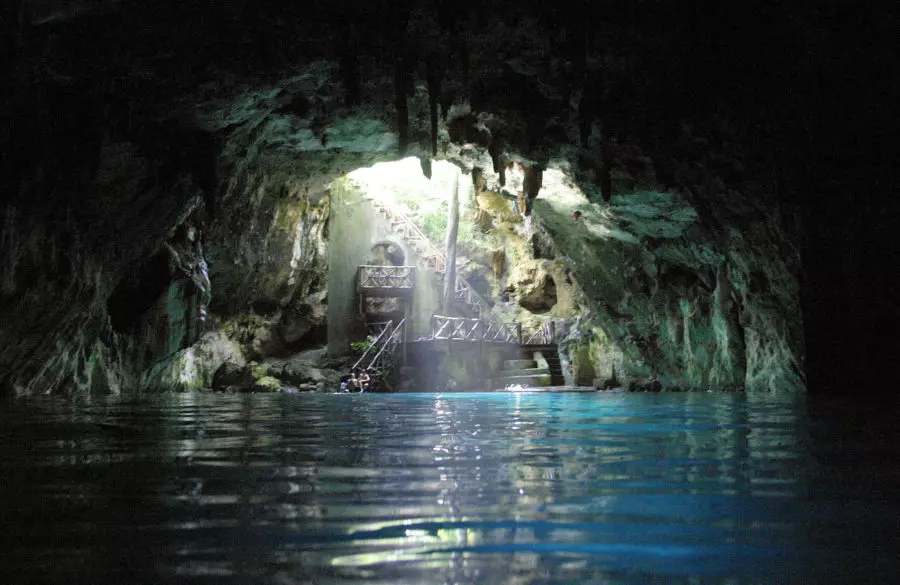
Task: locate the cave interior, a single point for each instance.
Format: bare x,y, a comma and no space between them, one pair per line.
169,171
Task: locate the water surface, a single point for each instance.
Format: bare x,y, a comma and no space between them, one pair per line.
427,489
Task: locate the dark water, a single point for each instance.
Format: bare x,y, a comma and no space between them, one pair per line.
453,489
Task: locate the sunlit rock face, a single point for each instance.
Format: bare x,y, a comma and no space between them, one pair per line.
687,303
642,290
169,188
168,269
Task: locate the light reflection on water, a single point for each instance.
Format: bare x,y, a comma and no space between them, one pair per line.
444,489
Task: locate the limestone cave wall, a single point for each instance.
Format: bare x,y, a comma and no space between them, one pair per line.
166,176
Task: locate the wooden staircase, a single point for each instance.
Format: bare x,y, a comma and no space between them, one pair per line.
523,372
539,366
550,353
384,357
430,256
470,303
536,345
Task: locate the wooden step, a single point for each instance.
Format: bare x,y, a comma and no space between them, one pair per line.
501,382
523,372
517,364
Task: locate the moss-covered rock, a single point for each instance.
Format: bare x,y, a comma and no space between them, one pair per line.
196,367
232,376
266,384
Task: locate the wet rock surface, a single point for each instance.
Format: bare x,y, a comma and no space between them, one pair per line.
538,294
307,371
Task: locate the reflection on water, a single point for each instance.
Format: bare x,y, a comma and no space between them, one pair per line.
452,489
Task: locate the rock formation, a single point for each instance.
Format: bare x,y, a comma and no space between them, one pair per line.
167,191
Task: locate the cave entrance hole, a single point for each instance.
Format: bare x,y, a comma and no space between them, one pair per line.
366,230
401,185
390,214
386,253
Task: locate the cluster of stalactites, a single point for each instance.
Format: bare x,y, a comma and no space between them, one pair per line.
430,34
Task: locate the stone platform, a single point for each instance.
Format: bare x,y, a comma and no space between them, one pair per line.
544,389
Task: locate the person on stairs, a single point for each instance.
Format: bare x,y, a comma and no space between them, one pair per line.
353,382
363,381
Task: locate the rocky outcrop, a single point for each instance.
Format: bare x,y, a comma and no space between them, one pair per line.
687,305
194,367
537,293
112,294
307,371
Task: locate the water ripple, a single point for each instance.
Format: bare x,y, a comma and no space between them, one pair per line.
478,488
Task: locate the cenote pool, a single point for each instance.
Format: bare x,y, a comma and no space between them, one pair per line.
447,489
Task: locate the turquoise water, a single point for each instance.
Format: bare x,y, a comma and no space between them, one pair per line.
447,489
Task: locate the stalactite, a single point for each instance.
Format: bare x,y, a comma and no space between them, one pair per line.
478,180
496,152
18,21
584,123
531,186
534,129
533,181
450,244
498,262
425,165
349,66
466,68
606,168
9,242
400,86
434,75
587,108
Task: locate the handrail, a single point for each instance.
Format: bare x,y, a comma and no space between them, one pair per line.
377,326
370,276
463,329
472,297
387,343
372,345
543,334
410,226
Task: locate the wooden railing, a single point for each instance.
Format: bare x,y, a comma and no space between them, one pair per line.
376,345
387,355
486,330
386,277
464,293
544,334
432,256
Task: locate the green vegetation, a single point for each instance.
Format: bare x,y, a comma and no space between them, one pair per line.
435,227
361,346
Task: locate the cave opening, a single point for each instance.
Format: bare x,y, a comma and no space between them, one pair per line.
137,291
627,173
386,254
